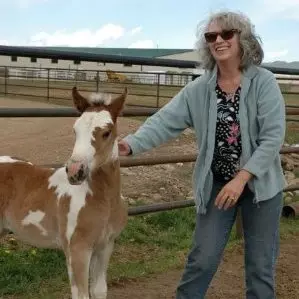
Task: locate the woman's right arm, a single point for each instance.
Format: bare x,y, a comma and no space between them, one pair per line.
167,123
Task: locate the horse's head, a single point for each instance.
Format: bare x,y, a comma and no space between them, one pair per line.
95,132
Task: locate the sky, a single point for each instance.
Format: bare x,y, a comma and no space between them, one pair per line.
143,23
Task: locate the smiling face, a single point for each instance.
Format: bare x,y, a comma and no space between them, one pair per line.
225,48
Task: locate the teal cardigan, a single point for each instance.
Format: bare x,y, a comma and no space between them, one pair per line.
262,126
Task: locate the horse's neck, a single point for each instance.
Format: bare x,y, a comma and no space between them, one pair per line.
107,177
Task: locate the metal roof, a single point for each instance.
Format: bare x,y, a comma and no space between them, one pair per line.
134,52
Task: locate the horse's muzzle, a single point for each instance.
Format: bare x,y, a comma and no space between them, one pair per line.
76,172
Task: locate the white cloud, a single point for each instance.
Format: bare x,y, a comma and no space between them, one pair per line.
281,9
84,37
27,3
4,42
276,55
143,44
280,5
136,30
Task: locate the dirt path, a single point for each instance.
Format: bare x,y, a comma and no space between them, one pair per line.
228,282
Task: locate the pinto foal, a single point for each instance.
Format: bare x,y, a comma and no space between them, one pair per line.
77,208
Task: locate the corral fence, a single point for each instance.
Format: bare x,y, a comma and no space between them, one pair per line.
147,88
289,210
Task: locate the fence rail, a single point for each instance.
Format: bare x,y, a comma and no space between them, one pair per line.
166,159
71,112
178,204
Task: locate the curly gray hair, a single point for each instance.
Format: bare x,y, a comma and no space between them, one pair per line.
250,43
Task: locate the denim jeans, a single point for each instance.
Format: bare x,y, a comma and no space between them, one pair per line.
261,240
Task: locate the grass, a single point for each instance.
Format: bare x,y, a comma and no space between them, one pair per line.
292,133
150,244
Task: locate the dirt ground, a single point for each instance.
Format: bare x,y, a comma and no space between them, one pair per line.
50,140
227,283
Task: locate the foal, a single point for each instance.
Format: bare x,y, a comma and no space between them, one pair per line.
77,208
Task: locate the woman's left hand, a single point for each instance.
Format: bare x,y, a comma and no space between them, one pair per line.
230,193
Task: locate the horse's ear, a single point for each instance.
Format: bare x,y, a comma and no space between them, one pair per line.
117,104
79,101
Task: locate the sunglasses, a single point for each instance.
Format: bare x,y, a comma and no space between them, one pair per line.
225,35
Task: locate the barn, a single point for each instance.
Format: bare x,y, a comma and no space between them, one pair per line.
178,54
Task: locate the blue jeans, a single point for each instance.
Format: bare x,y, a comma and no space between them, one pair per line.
261,236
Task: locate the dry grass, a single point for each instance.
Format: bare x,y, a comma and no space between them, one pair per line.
149,95
59,91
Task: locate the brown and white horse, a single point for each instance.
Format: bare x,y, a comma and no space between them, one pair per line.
77,208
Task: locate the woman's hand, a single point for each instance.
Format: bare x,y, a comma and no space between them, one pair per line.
230,193
123,148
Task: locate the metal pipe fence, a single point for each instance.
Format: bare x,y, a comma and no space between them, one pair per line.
72,112
152,89
67,112
178,204
138,161
149,89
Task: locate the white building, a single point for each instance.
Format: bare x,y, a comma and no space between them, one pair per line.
66,69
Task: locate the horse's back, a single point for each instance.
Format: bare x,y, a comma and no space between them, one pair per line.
27,206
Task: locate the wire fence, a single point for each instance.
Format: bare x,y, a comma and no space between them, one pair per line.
150,89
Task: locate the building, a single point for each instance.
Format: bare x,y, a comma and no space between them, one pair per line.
65,69
179,54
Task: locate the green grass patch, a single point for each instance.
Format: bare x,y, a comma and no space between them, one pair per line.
150,243
292,134
289,228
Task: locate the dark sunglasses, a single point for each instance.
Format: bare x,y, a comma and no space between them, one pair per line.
225,35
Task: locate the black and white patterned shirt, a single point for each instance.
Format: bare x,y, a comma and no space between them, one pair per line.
228,138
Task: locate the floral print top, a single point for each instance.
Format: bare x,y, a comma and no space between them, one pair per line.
228,138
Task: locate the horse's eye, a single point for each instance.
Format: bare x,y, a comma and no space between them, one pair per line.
106,134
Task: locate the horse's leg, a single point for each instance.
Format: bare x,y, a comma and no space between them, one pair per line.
98,270
78,260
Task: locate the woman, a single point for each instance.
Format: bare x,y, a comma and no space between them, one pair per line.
237,111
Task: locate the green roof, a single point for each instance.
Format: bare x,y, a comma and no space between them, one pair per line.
134,52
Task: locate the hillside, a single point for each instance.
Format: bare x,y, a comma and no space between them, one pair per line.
283,64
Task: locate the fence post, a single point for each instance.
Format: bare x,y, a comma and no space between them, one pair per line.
98,78
5,79
48,85
158,91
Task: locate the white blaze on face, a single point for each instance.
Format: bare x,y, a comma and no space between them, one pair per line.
35,218
84,128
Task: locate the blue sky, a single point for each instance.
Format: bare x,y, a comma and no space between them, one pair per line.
140,23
